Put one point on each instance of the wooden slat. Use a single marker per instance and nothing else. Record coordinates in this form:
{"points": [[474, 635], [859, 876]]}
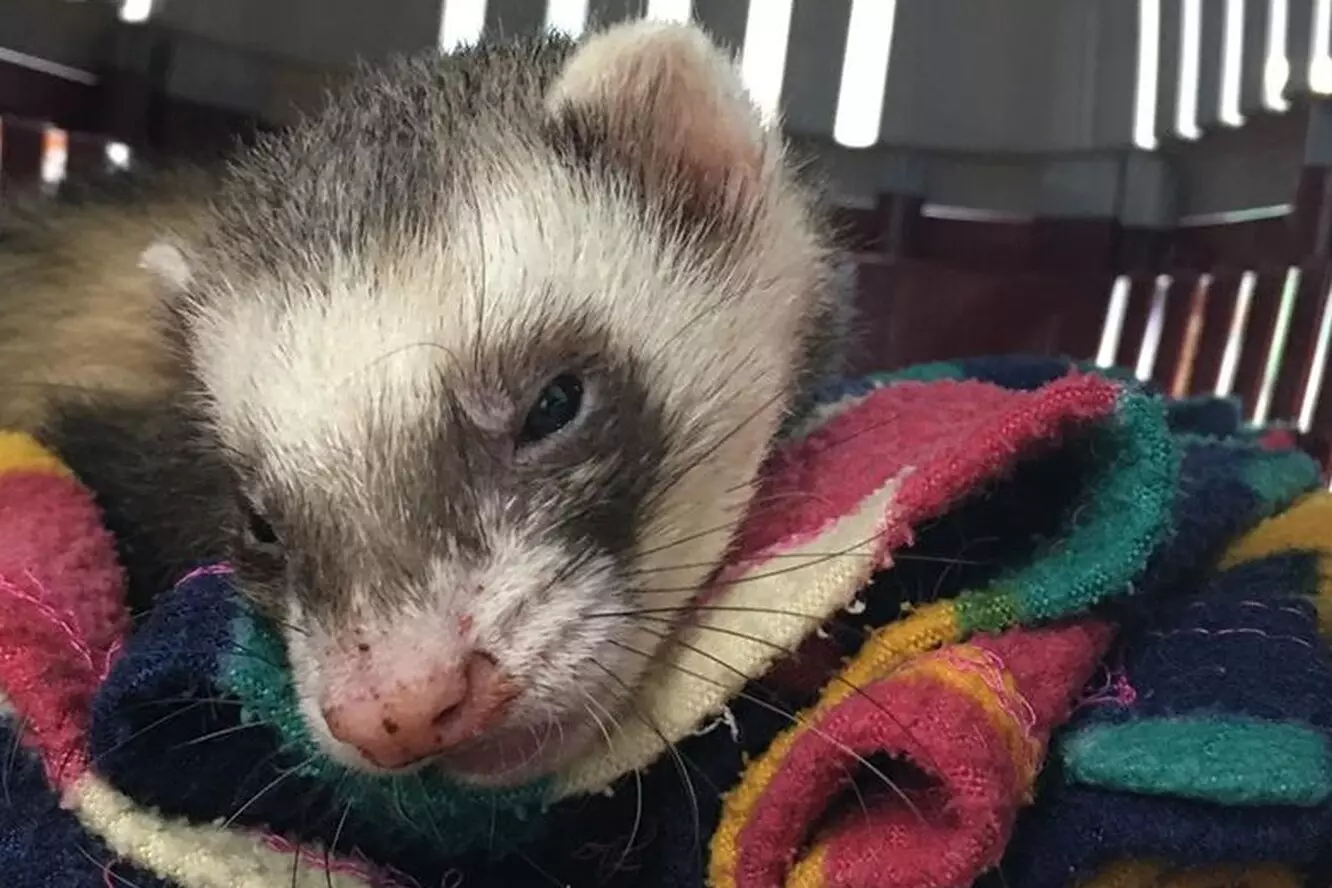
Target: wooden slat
{"points": [[1297, 366], [1217, 311], [1258, 336], [1172, 328], [1321, 420], [1135, 319], [1183, 333]]}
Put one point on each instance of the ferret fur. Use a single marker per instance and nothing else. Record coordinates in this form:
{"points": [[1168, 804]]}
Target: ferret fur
{"points": [[345, 332]]}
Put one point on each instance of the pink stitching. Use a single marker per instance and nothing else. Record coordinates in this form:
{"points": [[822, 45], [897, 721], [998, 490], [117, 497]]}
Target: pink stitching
{"points": [[208, 570], [1243, 630], [994, 680], [109, 659], [337, 865], [1116, 689], [52, 615]]}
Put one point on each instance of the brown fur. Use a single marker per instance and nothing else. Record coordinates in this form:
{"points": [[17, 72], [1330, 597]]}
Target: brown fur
{"points": [[80, 319]]}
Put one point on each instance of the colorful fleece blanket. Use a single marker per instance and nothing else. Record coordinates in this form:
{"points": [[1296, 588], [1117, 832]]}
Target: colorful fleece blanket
{"points": [[1001, 614]]}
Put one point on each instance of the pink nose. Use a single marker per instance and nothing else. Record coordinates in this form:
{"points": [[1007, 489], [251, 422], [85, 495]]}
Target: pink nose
{"points": [[398, 724]]}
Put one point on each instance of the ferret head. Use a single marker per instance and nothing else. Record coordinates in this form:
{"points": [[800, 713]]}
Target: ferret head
{"points": [[495, 347]]}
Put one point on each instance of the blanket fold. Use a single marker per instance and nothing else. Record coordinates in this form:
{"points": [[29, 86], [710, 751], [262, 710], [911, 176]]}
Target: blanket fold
{"points": [[1220, 752], [960, 733], [996, 526], [874, 468]]}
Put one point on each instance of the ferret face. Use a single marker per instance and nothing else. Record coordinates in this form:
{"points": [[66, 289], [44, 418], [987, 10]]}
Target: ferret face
{"points": [[495, 377]]}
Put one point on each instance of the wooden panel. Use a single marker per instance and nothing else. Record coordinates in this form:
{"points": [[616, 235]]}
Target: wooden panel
{"points": [[32, 94], [20, 155], [1008, 246], [1311, 233], [1074, 245], [87, 156], [914, 311], [1238, 246]]}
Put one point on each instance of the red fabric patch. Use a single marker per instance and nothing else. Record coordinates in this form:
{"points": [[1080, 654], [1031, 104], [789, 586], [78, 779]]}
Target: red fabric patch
{"points": [[1279, 439], [62, 614], [963, 780], [951, 435]]}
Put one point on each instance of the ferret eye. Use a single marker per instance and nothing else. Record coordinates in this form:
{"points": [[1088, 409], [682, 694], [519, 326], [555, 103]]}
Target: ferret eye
{"points": [[556, 407], [258, 528]]}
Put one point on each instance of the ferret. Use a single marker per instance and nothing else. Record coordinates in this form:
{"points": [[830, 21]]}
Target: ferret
{"points": [[458, 373]]}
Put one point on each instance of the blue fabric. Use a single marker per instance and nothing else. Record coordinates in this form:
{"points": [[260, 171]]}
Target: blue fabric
{"points": [[1215, 501], [1250, 639], [161, 698], [1073, 831], [41, 844], [165, 734], [1244, 647], [1221, 417]]}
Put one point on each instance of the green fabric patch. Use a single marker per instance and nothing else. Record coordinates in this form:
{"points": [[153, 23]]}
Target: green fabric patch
{"points": [[424, 806], [1117, 519], [1277, 477], [918, 373], [1226, 760]]}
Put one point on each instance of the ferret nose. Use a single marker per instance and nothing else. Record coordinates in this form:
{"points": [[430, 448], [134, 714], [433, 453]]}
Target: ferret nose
{"points": [[396, 725]]}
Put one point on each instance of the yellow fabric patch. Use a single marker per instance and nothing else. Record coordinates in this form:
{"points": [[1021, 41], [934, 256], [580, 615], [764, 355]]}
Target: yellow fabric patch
{"points": [[928, 628], [982, 678], [808, 871], [1304, 527], [20, 452]]}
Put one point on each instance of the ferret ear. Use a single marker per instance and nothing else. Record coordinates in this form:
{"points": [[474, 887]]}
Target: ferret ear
{"points": [[665, 97], [167, 263]]}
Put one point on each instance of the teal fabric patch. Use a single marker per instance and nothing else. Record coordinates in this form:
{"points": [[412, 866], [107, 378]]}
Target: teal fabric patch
{"points": [[1224, 759], [454, 818], [1278, 477], [918, 373], [1115, 521]]}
